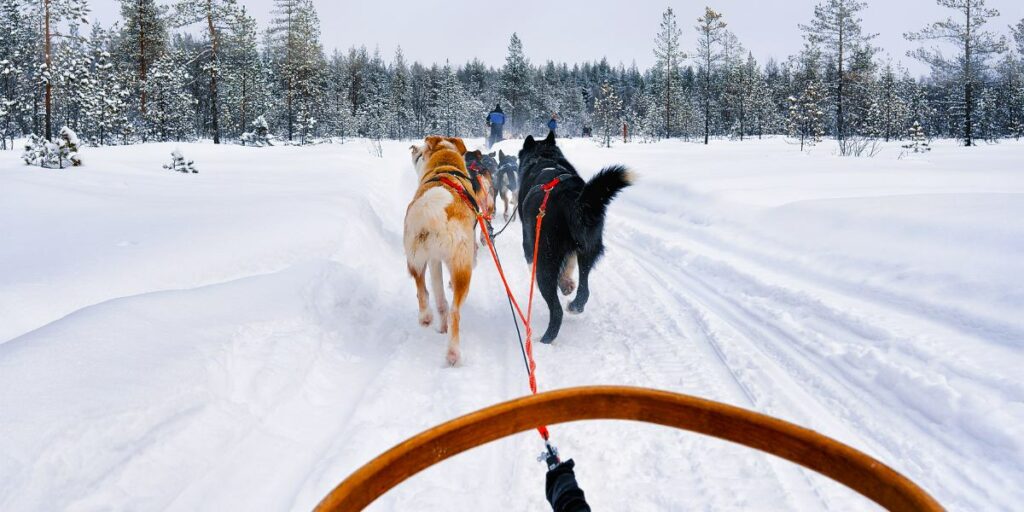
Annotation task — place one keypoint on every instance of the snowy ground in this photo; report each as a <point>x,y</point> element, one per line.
<point>244,338</point>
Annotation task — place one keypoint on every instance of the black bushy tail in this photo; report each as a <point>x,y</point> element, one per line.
<point>595,197</point>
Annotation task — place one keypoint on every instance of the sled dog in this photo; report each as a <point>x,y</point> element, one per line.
<point>573,226</point>
<point>439,231</point>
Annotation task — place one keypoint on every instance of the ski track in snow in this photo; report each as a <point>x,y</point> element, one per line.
<point>254,357</point>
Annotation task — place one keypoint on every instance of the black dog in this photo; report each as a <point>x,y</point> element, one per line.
<point>506,181</point>
<point>573,225</point>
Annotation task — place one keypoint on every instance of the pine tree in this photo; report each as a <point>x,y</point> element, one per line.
<point>143,41</point>
<point>837,27</point>
<point>711,33</point>
<point>16,90</point>
<point>669,54</point>
<point>245,83</point>
<point>976,46</point>
<point>918,142</point>
<point>607,115</point>
<point>516,87</point>
<point>399,109</point>
<point>806,119</point>
<point>180,164</point>
<point>54,14</point>
<point>216,17</point>
<point>297,57</point>
<point>167,117</point>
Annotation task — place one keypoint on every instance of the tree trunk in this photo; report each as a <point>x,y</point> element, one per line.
<point>839,90</point>
<point>968,86</point>
<point>215,114</point>
<point>49,72</point>
<point>142,68</point>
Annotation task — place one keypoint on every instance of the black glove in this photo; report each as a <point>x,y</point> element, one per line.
<point>563,492</point>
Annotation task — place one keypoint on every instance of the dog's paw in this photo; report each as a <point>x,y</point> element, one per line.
<point>453,357</point>
<point>426,318</point>
<point>575,309</point>
<point>548,338</point>
<point>566,285</point>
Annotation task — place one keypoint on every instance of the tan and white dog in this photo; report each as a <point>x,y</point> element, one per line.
<point>439,230</point>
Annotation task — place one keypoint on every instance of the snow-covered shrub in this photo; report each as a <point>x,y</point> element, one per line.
<point>259,136</point>
<point>918,142</point>
<point>180,164</point>
<point>53,155</point>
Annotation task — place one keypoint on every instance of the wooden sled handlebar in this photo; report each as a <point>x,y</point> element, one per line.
<point>844,464</point>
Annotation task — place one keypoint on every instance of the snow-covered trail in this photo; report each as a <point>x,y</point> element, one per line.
<point>246,337</point>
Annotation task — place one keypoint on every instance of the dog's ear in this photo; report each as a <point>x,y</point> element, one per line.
<point>491,154</point>
<point>551,137</point>
<point>501,154</point>
<point>432,141</point>
<point>459,145</point>
<point>529,143</point>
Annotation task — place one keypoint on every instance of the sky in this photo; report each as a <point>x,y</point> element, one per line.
<point>578,30</point>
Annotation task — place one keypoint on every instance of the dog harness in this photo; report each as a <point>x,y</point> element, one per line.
<point>456,186</point>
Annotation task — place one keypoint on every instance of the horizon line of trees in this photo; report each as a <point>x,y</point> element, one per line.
<point>152,77</point>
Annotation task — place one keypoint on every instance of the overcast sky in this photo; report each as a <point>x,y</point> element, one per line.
<point>578,30</point>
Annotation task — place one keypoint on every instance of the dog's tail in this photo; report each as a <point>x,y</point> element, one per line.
<point>595,197</point>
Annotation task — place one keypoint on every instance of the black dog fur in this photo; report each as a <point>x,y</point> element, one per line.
<point>573,223</point>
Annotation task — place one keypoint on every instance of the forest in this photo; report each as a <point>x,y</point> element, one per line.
<point>206,70</point>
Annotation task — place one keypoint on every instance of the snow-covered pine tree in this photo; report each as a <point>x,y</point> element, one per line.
<point>976,45</point>
<point>667,83</point>
<point>17,38</point>
<point>73,83</point>
<point>836,27</point>
<point>180,164</point>
<point>1009,91</point>
<point>399,109</point>
<point>918,142</point>
<point>244,79</point>
<point>607,115</point>
<point>297,58</point>
<point>216,17</point>
<point>61,154</point>
<point>55,14</point>
<point>259,136</point>
<point>449,97</point>
<point>143,40</point>
<point>516,87</point>
<point>711,33</point>
<point>806,118</point>
<point>108,112</point>
<point>168,114</point>
<point>889,111</point>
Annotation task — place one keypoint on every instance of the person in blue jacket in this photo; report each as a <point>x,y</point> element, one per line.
<point>553,123</point>
<point>496,120</point>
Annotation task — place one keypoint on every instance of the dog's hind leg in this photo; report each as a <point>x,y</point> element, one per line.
<point>419,275</point>
<point>565,281</point>
<point>437,284</point>
<point>547,284</point>
<point>586,263</point>
<point>461,272</point>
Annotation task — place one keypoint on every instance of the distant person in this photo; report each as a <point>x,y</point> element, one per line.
<point>625,132</point>
<point>496,120</point>
<point>553,123</point>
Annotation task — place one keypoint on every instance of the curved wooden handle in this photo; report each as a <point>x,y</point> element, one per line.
<point>810,449</point>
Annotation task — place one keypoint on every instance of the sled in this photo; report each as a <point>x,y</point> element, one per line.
<point>824,455</point>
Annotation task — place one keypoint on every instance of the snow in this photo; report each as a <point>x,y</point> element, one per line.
<point>246,337</point>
